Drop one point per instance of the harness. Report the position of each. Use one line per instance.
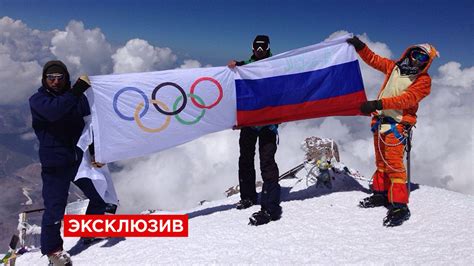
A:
(393, 128)
(403, 137)
(273, 128)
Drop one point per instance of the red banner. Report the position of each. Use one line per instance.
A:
(169, 225)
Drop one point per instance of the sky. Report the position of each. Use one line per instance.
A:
(214, 31)
(105, 37)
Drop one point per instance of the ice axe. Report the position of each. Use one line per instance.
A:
(292, 172)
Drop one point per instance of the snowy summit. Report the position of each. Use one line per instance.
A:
(318, 226)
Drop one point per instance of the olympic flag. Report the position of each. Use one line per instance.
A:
(141, 113)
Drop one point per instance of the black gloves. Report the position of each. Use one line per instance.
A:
(358, 44)
(81, 85)
(370, 106)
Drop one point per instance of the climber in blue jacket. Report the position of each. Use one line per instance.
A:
(57, 111)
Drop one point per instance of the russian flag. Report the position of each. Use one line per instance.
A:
(315, 81)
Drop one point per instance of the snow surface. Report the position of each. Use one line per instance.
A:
(319, 226)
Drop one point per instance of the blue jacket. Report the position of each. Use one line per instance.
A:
(58, 124)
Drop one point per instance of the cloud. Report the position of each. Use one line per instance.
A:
(181, 177)
(24, 51)
(24, 44)
(452, 75)
(190, 64)
(20, 50)
(139, 56)
(443, 140)
(18, 78)
(336, 35)
(82, 50)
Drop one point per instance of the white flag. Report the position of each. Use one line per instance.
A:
(142, 113)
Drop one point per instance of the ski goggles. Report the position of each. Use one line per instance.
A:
(260, 46)
(419, 56)
(52, 77)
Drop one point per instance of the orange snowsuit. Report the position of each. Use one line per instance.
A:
(400, 95)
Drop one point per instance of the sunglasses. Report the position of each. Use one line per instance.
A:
(419, 56)
(52, 77)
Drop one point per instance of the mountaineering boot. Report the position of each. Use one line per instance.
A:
(110, 208)
(59, 258)
(398, 214)
(244, 204)
(263, 217)
(259, 218)
(270, 201)
(376, 200)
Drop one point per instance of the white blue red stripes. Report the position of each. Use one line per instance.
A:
(335, 90)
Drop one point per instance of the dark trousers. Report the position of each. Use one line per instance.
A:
(267, 147)
(56, 181)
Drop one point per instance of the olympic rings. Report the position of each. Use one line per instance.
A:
(184, 122)
(219, 87)
(153, 97)
(163, 108)
(128, 118)
(147, 129)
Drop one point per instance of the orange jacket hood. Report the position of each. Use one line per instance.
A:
(428, 48)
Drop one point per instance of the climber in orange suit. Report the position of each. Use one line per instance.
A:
(393, 115)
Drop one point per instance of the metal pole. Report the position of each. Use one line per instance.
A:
(23, 229)
(22, 232)
(34, 210)
(408, 149)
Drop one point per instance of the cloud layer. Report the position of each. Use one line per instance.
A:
(179, 178)
(82, 50)
(24, 51)
(139, 56)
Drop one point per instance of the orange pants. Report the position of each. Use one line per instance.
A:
(390, 176)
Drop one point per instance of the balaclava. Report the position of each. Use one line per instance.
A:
(56, 66)
(261, 47)
(411, 66)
